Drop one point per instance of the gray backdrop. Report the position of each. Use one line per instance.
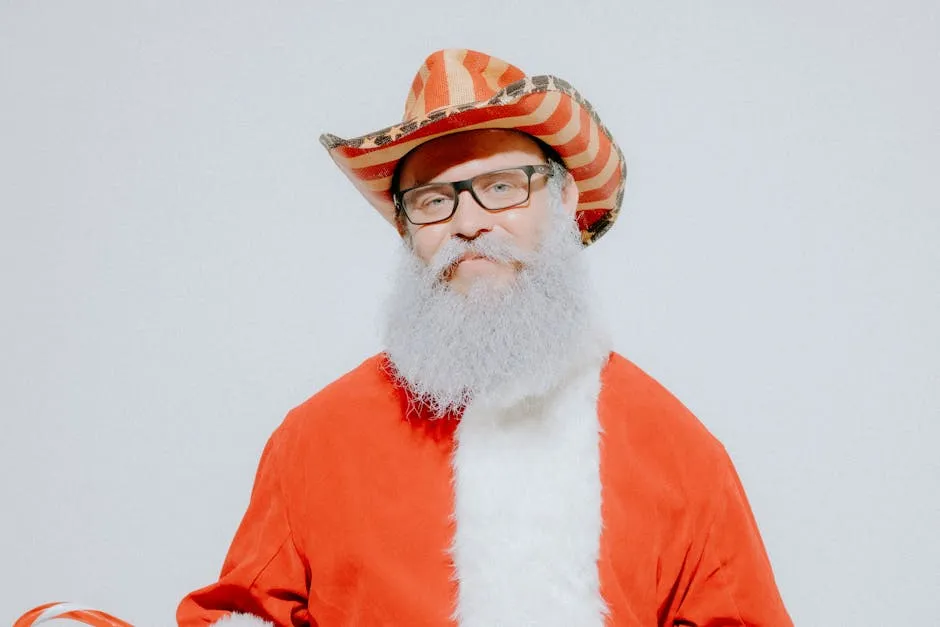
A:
(182, 264)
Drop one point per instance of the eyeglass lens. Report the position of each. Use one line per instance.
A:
(493, 190)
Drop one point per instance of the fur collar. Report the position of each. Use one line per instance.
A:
(238, 619)
(527, 493)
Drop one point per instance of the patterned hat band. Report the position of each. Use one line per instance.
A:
(461, 90)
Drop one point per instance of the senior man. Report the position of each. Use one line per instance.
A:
(496, 464)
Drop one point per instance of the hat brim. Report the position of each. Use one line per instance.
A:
(545, 107)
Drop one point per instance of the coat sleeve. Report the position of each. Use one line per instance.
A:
(733, 583)
(263, 575)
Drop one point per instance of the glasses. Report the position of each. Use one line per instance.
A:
(494, 191)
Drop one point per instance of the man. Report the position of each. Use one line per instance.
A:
(497, 464)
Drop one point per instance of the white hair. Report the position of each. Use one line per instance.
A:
(448, 347)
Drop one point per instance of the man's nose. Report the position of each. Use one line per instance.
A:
(471, 220)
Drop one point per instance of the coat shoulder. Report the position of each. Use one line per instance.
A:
(653, 423)
(366, 392)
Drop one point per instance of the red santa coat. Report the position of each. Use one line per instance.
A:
(365, 513)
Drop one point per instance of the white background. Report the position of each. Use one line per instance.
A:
(182, 264)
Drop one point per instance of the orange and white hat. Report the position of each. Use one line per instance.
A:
(461, 90)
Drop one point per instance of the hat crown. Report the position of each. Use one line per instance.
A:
(454, 77)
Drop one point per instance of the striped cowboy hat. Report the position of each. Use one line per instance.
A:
(461, 90)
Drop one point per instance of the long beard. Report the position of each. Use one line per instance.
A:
(449, 348)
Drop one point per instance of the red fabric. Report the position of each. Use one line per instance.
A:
(349, 520)
(476, 63)
(436, 93)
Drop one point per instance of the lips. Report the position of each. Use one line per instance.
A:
(468, 256)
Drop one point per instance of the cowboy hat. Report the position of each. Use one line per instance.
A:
(460, 90)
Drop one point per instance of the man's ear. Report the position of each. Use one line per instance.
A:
(406, 234)
(401, 224)
(570, 194)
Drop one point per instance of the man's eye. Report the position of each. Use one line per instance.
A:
(503, 187)
(433, 202)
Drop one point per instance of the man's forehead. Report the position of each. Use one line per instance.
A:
(444, 153)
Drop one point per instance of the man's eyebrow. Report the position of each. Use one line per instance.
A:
(419, 183)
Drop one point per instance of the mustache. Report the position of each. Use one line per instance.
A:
(488, 245)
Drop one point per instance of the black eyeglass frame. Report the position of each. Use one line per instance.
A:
(467, 184)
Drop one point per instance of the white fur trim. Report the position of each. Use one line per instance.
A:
(241, 620)
(528, 510)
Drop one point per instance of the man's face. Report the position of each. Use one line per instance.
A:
(465, 155)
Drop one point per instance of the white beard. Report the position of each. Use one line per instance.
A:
(506, 343)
